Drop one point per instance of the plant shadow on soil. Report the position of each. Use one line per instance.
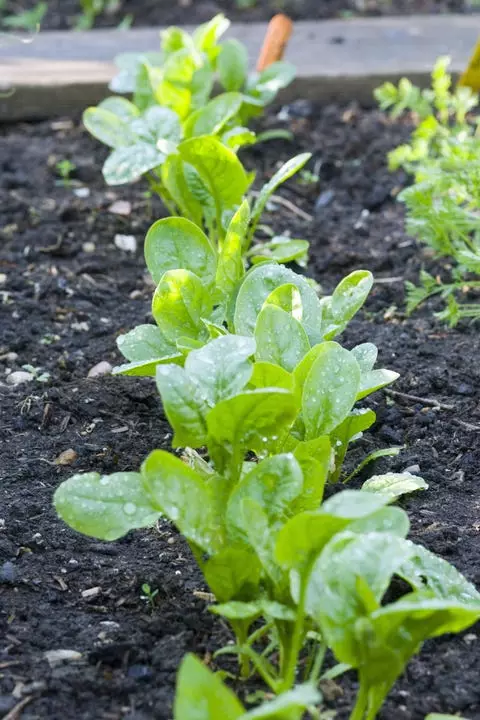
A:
(68, 292)
(64, 14)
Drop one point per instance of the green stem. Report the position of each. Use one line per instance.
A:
(263, 667)
(358, 712)
(259, 633)
(291, 652)
(318, 663)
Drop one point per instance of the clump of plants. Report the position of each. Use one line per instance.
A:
(442, 204)
(262, 400)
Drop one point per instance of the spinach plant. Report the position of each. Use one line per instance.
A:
(442, 204)
(172, 102)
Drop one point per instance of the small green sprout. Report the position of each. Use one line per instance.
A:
(64, 169)
(149, 595)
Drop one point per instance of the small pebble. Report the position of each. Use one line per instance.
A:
(58, 657)
(139, 672)
(19, 376)
(127, 243)
(101, 368)
(88, 247)
(83, 192)
(120, 207)
(324, 199)
(67, 457)
(8, 573)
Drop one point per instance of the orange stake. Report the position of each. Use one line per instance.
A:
(276, 38)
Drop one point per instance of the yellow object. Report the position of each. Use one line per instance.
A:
(471, 76)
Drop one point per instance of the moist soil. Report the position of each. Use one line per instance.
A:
(64, 14)
(67, 291)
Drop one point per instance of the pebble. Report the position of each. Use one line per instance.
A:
(139, 672)
(67, 457)
(128, 243)
(101, 368)
(58, 657)
(8, 573)
(88, 247)
(324, 199)
(19, 376)
(120, 207)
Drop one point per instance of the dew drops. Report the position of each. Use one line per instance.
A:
(129, 508)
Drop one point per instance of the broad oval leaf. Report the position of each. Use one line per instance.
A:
(210, 119)
(126, 164)
(108, 127)
(374, 380)
(173, 174)
(330, 389)
(274, 483)
(268, 375)
(366, 356)
(105, 507)
(230, 268)
(290, 704)
(257, 286)
(184, 404)
(144, 342)
(193, 504)
(233, 65)
(176, 242)
(158, 123)
(280, 338)
(201, 695)
(234, 572)
(222, 367)
(348, 297)
(394, 485)
(179, 304)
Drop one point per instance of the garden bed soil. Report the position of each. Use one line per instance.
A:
(67, 291)
(63, 14)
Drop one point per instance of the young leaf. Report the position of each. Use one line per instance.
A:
(261, 537)
(126, 164)
(274, 483)
(375, 380)
(287, 704)
(222, 367)
(218, 167)
(170, 482)
(267, 375)
(230, 268)
(314, 458)
(348, 297)
(394, 485)
(232, 65)
(212, 118)
(284, 173)
(206, 36)
(179, 304)
(330, 389)
(201, 695)
(174, 178)
(280, 338)
(252, 420)
(366, 356)
(234, 572)
(108, 127)
(145, 347)
(105, 507)
(158, 123)
(391, 520)
(176, 242)
(257, 286)
(184, 404)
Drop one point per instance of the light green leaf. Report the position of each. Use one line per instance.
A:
(193, 504)
(126, 164)
(212, 118)
(391, 520)
(253, 420)
(158, 123)
(274, 483)
(146, 368)
(261, 537)
(282, 250)
(207, 35)
(288, 298)
(238, 137)
(222, 367)
(237, 610)
(314, 458)
(375, 380)
(257, 286)
(218, 167)
(201, 695)
(179, 304)
(105, 507)
(299, 698)
(230, 269)
(121, 107)
(348, 297)
(176, 242)
(394, 485)
(174, 179)
(280, 338)
(234, 572)
(184, 404)
(108, 127)
(330, 389)
(366, 356)
(233, 65)
(284, 173)
(144, 342)
(267, 375)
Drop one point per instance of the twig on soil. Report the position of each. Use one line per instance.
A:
(290, 206)
(14, 713)
(466, 425)
(416, 398)
(388, 280)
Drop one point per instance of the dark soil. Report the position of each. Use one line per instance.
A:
(67, 291)
(64, 14)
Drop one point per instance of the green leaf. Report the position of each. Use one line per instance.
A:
(348, 297)
(288, 298)
(222, 367)
(261, 537)
(184, 404)
(174, 179)
(144, 342)
(257, 286)
(175, 242)
(267, 375)
(304, 535)
(201, 695)
(253, 420)
(105, 507)
(282, 250)
(234, 572)
(274, 483)
(233, 65)
(238, 137)
(108, 127)
(391, 520)
(237, 610)
(375, 380)
(394, 485)
(299, 698)
(330, 389)
(206, 36)
(440, 716)
(126, 164)
(374, 455)
(280, 338)
(284, 173)
(179, 304)
(158, 123)
(193, 504)
(314, 458)
(212, 118)
(230, 268)
(366, 356)
(219, 168)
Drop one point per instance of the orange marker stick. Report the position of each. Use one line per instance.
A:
(276, 38)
